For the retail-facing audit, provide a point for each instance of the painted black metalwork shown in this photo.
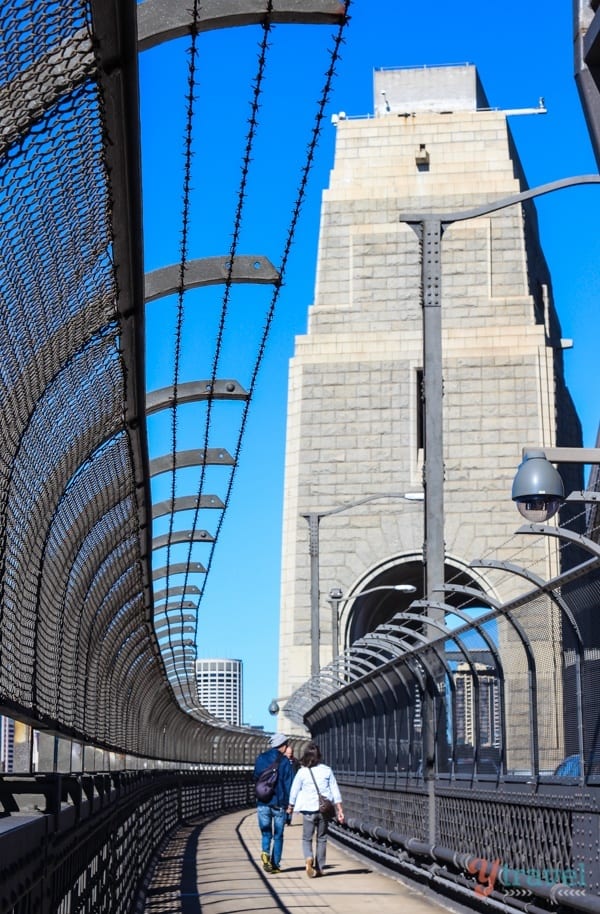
(80, 657)
(159, 22)
(98, 832)
(586, 44)
(193, 392)
(511, 813)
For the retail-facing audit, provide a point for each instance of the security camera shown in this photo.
(538, 508)
(538, 489)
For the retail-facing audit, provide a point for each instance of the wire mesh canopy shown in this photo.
(105, 542)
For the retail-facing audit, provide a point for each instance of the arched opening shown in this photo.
(367, 612)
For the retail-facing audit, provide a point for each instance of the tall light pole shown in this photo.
(430, 228)
(313, 519)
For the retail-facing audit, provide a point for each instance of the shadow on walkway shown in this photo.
(214, 866)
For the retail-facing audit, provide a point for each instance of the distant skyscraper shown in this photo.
(220, 688)
(477, 727)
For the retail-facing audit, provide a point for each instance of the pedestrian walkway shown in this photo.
(216, 867)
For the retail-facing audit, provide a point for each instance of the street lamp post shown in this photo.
(313, 519)
(430, 228)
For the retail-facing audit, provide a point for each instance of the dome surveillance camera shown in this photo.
(538, 508)
(538, 488)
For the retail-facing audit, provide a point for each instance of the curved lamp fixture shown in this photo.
(336, 593)
(337, 600)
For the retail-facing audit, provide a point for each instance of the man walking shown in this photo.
(272, 813)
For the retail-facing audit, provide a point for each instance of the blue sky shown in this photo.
(522, 52)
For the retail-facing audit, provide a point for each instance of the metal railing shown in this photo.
(510, 804)
(86, 842)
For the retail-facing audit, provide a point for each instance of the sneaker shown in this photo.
(310, 870)
(266, 862)
(275, 868)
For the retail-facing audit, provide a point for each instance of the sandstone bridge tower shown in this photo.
(355, 414)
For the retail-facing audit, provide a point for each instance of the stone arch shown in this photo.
(363, 614)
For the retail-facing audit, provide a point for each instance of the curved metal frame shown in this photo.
(209, 271)
(158, 23)
(165, 572)
(161, 595)
(214, 456)
(186, 503)
(193, 392)
(181, 536)
(76, 534)
(557, 598)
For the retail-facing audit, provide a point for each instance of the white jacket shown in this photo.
(304, 796)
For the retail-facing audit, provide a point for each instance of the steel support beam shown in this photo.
(181, 536)
(209, 271)
(175, 592)
(186, 503)
(159, 21)
(433, 392)
(178, 568)
(587, 66)
(193, 392)
(214, 456)
(164, 611)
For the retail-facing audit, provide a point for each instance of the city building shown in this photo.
(7, 744)
(355, 441)
(220, 690)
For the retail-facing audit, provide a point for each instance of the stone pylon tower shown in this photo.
(355, 421)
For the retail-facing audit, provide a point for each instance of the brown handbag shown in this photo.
(326, 807)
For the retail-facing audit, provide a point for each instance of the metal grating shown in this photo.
(523, 836)
(79, 652)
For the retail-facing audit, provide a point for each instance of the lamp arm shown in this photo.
(566, 454)
(495, 205)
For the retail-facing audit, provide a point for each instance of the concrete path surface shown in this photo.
(215, 867)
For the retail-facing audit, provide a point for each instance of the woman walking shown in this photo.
(312, 779)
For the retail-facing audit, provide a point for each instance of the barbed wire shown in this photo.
(183, 258)
(257, 84)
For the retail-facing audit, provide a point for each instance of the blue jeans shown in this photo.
(271, 821)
